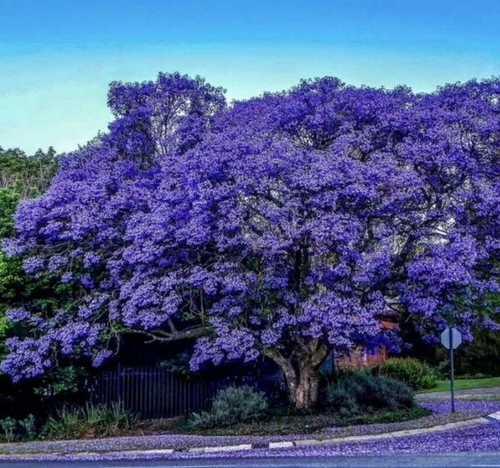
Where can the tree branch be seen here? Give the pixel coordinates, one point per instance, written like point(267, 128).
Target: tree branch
point(165, 337)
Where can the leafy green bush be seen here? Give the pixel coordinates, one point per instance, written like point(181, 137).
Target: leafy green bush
point(27, 427)
point(90, 421)
point(17, 429)
point(232, 405)
point(8, 426)
point(362, 392)
point(417, 374)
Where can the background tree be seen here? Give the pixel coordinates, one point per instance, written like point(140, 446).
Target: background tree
point(100, 189)
point(21, 177)
point(27, 176)
point(284, 226)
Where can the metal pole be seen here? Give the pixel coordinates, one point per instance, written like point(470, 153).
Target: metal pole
point(452, 372)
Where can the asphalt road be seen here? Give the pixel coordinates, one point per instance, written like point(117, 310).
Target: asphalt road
point(475, 460)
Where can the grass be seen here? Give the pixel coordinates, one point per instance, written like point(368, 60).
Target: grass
point(466, 384)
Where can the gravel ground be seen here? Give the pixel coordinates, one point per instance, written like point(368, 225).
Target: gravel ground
point(466, 410)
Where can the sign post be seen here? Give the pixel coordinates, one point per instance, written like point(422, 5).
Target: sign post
point(451, 339)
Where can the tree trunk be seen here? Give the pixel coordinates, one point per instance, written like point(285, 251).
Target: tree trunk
point(302, 376)
point(307, 390)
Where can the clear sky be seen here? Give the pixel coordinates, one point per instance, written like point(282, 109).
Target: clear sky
point(58, 56)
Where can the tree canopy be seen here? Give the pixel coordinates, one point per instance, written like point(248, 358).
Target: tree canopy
point(284, 226)
point(27, 175)
point(21, 176)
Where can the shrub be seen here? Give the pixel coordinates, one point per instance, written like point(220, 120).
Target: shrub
point(27, 427)
point(8, 426)
point(342, 402)
point(17, 429)
point(90, 421)
point(361, 392)
point(412, 372)
point(232, 405)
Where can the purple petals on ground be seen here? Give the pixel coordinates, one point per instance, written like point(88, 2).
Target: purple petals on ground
point(472, 408)
point(482, 437)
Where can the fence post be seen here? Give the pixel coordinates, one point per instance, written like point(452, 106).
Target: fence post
point(155, 392)
point(119, 384)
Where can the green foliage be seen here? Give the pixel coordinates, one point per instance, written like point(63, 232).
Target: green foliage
point(342, 402)
point(21, 177)
point(28, 427)
point(4, 327)
point(89, 421)
point(10, 270)
point(362, 392)
point(178, 364)
point(308, 423)
point(417, 374)
point(63, 384)
point(481, 355)
point(17, 289)
point(232, 405)
point(8, 426)
point(28, 176)
point(18, 429)
point(8, 204)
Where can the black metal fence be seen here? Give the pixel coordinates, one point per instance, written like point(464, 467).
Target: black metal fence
point(154, 392)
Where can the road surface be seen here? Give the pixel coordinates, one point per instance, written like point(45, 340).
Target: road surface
point(475, 460)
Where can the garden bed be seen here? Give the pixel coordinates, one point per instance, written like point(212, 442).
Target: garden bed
point(282, 423)
point(156, 434)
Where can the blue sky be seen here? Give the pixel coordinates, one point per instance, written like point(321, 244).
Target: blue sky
point(57, 57)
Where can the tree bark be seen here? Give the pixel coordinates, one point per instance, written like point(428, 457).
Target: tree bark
point(302, 375)
point(307, 389)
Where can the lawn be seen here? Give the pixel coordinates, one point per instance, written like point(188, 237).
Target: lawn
point(466, 384)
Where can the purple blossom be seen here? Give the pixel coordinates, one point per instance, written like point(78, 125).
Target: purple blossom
point(67, 277)
point(91, 260)
point(101, 358)
point(18, 315)
point(33, 265)
point(286, 225)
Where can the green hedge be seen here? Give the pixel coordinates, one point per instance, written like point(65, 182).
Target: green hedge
point(417, 374)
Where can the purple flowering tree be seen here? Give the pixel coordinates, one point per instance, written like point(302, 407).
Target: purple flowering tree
point(284, 226)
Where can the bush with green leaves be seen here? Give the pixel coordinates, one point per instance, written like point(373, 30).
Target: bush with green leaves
point(232, 405)
point(363, 392)
point(12, 429)
point(417, 374)
point(89, 421)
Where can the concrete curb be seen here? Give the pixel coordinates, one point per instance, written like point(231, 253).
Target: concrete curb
point(388, 435)
point(494, 416)
point(286, 444)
